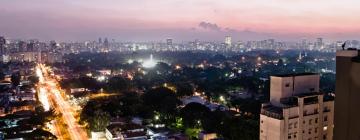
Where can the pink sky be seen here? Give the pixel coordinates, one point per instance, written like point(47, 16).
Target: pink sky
point(180, 19)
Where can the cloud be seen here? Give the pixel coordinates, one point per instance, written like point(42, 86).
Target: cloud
point(209, 26)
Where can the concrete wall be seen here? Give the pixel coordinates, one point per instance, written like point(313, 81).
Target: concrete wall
point(347, 101)
point(283, 87)
point(271, 129)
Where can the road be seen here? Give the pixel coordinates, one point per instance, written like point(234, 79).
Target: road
point(51, 91)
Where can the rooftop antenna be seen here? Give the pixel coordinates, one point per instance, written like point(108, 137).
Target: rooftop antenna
point(343, 46)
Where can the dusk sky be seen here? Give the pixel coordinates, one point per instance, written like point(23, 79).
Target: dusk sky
point(183, 20)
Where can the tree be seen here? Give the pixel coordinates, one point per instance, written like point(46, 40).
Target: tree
point(40, 134)
point(239, 128)
point(118, 84)
point(161, 99)
point(15, 79)
point(184, 89)
point(194, 114)
point(89, 83)
point(2, 75)
point(99, 121)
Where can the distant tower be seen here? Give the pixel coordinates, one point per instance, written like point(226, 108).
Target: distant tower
point(319, 43)
point(106, 42)
point(228, 41)
point(2, 45)
point(100, 40)
point(169, 42)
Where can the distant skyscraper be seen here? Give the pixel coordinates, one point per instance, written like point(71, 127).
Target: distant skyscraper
point(106, 42)
point(100, 40)
point(2, 45)
point(347, 92)
point(297, 110)
point(169, 42)
point(319, 43)
point(228, 41)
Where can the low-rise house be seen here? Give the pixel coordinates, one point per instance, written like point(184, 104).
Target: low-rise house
point(207, 136)
point(127, 131)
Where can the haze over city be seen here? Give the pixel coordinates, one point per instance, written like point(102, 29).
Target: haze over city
point(179, 70)
point(153, 20)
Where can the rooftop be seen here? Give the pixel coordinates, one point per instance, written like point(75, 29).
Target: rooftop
point(295, 74)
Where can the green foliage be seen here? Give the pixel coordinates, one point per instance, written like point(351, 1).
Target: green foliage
point(193, 133)
point(99, 121)
point(161, 99)
point(193, 114)
point(118, 84)
point(240, 128)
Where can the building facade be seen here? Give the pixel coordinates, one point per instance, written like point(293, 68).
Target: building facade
point(297, 110)
point(347, 113)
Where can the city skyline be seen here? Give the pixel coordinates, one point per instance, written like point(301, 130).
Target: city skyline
point(143, 20)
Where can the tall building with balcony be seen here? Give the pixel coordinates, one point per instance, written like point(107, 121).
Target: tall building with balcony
point(347, 91)
point(297, 110)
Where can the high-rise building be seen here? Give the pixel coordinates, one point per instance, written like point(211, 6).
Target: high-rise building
point(100, 40)
point(347, 92)
point(319, 43)
point(169, 42)
point(297, 110)
point(106, 42)
point(228, 41)
point(2, 45)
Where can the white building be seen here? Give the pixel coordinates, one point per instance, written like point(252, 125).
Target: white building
point(228, 41)
point(297, 110)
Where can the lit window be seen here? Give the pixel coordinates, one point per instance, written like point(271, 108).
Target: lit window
point(325, 128)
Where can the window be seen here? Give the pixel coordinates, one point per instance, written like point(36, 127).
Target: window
point(324, 137)
point(261, 131)
point(290, 125)
point(315, 110)
point(262, 121)
point(309, 131)
point(316, 120)
point(295, 125)
point(316, 130)
point(325, 128)
point(310, 121)
point(325, 118)
point(287, 85)
point(303, 131)
point(303, 122)
point(289, 136)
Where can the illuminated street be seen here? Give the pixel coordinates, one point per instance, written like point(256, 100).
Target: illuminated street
point(49, 90)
